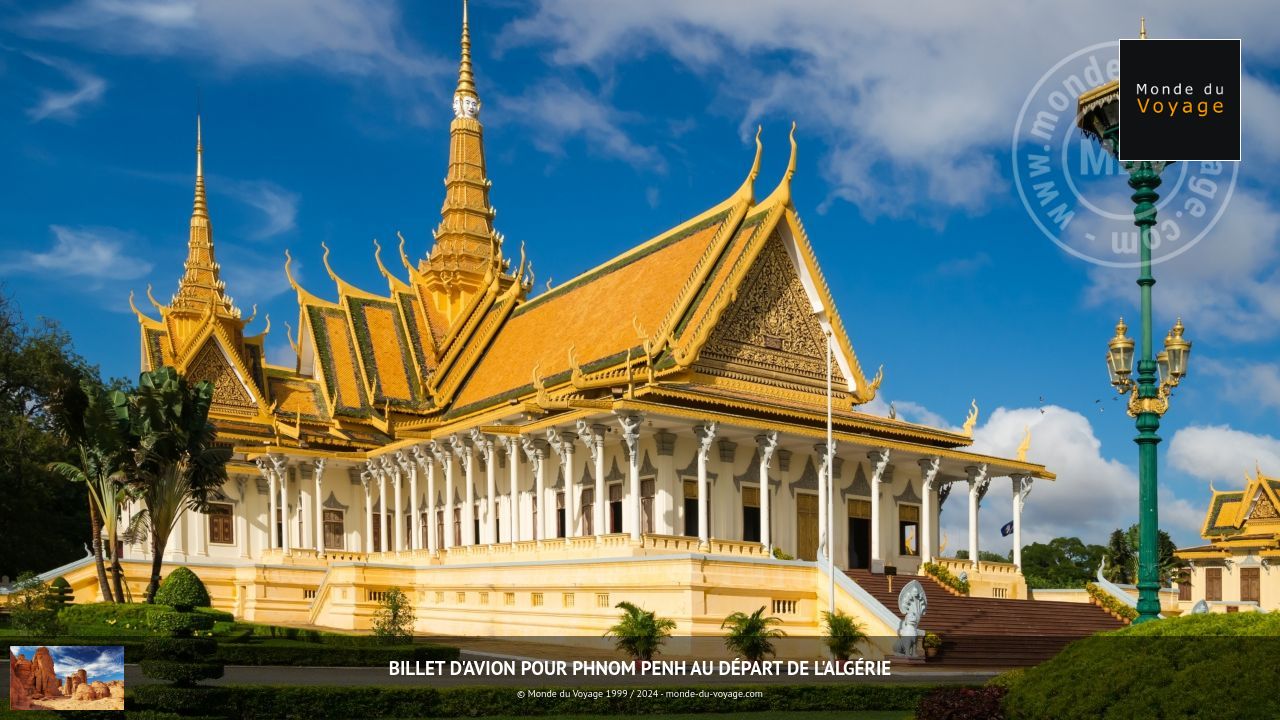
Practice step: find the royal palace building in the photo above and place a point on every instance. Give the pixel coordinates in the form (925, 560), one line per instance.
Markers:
(654, 430)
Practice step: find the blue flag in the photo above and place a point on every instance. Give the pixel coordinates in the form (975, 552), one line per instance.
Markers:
(1007, 529)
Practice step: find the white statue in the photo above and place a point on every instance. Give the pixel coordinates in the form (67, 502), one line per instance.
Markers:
(466, 106)
(912, 604)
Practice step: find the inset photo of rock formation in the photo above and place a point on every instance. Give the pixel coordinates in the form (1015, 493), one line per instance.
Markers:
(67, 677)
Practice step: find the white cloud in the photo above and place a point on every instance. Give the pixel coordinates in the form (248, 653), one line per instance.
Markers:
(1228, 286)
(254, 277)
(559, 112)
(96, 253)
(1254, 385)
(279, 206)
(359, 39)
(916, 107)
(1222, 454)
(66, 105)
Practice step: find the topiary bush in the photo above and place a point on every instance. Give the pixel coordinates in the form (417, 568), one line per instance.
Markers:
(181, 659)
(1180, 667)
(183, 590)
(180, 624)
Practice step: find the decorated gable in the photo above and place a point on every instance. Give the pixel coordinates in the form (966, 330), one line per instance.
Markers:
(770, 331)
(229, 390)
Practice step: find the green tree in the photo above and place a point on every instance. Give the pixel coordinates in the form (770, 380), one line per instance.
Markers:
(174, 464)
(42, 518)
(1166, 563)
(1064, 562)
(752, 636)
(640, 633)
(1121, 558)
(87, 420)
(33, 606)
(986, 556)
(393, 620)
(844, 634)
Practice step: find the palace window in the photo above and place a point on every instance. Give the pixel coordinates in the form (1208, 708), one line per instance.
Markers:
(588, 511)
(509, 598)
(440, 529)
(647, 489)
(377, 532)
(535, 599)
(221, 523)
(859, 533)
(691, 508)
(475, 514)
(1213, 583)
(334, 530)
(566, 600)
(1249, 584)
(909, 530)
(560, 529)
(457, 526)
(751, 514)
(615, 508)
(602, 600)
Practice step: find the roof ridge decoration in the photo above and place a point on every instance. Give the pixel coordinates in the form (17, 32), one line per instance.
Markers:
(782, 193)
(201, 283)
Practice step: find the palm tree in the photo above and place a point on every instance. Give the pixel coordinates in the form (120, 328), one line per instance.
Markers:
(751, 635)
(640, 633)
(844, 634)
(86, 419)
(174, 464)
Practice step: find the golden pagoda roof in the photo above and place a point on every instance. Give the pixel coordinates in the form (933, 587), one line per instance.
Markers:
(1241, 518)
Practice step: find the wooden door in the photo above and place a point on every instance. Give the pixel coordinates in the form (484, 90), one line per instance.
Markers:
(1250, 588)
(807, 526)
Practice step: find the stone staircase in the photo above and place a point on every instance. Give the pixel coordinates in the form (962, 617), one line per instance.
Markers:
(990, 632)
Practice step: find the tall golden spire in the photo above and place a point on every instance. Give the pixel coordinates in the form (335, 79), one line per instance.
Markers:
(201, 287)
(466, 81)
(467, 248)
(1142, 28)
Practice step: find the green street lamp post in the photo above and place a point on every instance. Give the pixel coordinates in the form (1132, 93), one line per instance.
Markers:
(1098, 117)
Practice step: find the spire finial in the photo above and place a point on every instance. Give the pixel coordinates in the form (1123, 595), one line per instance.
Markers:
(466, 101)
(1142, 25)
(200, 209)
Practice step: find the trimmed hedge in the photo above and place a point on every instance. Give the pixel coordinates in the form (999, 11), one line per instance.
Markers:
(944, 576)
(1211, 665)
(317, 703)
(1110, 603)
(180, 623)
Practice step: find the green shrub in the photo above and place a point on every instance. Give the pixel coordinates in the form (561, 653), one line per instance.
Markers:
(781, 554)
(1173, 668)
(179, 624)
(844, 634)
(183, 590)
(32, 607)
(179, 648)
(944, 576)
(1109, 602)
(221, 616)
(419, 701)
(98, 619)
(393, 620)
(182, 673)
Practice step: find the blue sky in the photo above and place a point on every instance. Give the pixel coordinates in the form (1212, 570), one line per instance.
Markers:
(607, 122)
(101, 663)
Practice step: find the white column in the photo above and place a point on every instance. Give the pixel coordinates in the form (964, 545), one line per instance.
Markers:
(562, 443)
(366, 480)
(767, 443)
(433, 539)
(242, 518)
(978, 482)
(319, 503)
(928, 478)
(463, 449)
(391, 466)
(264, 466)
(631, 436)
(705, 434)
(281, 465)
(413, 462)
(879, 461)
(593, 439)
(512, 447)
(384, 536)
(446, 456)
(485, 446)
(1021, 488)
(202, 540)
(536, 451)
